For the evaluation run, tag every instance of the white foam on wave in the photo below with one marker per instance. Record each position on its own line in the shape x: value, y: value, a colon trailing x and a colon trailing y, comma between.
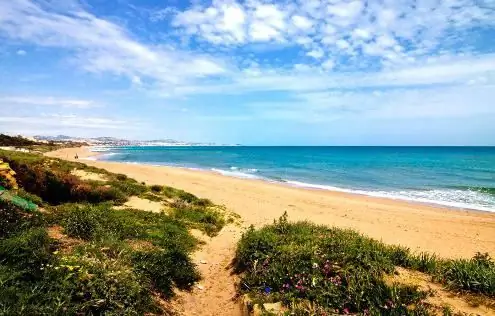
x: 248, y: 170
x: 100, y: 149
x: 464, y: 199
x: 236, y: 174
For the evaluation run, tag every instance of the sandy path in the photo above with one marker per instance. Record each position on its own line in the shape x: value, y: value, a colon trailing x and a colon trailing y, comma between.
x: 215, y: 293
x: 447, y: 232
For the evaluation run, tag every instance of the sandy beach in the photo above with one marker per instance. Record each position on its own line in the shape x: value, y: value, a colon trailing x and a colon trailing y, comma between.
x: 446, y: 232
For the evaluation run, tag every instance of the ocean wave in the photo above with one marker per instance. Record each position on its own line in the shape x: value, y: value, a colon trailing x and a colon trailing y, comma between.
x: 106, y: 156
x: 245, y: 170
x: 100, y: 149
x: 236, y: 174
x: 487, y: 190
x: 465, y: 199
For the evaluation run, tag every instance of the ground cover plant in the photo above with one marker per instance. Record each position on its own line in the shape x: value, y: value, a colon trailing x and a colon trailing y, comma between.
x: 317, y: 270
x: 80, y: 254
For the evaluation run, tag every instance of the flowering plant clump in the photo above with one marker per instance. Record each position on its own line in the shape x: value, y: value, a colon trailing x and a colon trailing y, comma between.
x: 322, y: 271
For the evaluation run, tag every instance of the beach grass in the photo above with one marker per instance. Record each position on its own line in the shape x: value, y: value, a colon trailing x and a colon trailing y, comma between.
x: 80, y: 254
x: 317, y: 270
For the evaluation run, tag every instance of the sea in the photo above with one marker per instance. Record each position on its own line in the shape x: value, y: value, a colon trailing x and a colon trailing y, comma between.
x: 461, y: 177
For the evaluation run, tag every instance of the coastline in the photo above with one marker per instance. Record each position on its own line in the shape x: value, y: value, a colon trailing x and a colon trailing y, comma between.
x: 446, y: 231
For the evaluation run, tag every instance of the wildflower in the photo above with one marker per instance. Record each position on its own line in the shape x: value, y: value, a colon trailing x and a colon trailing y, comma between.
x: 315, y: 265
x: 267, y: 290
x: 346, y: 311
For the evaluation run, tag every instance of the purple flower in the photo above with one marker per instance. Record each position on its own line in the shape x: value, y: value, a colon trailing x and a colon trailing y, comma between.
x: 268, y: 289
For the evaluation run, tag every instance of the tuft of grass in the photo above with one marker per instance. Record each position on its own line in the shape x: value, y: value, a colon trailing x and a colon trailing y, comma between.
x: 476, y: 275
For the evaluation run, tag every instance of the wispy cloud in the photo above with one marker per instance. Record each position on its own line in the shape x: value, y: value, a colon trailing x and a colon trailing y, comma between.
x: 64, y: 121
x: 47, y: 101
x: 100, y: 45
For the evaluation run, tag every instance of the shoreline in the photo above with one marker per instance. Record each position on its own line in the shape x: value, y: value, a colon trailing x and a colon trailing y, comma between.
x: 92, y: 155
x: 446, y: 231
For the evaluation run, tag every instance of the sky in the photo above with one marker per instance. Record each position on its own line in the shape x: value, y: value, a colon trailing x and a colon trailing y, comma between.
x: 291, y: 72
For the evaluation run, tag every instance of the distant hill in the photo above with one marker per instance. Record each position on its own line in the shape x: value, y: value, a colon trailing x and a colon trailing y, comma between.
x: 113, y: 141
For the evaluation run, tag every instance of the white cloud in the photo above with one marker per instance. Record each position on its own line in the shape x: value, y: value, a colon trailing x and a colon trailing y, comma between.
x: 46, y: 101
x: 316, y: 53
x: 100, y: 45
x: 359, y: 32
x: 21, y: 52
x: 302, y: 22
x: 18, y: 124
x: 328, y: 64
x: 260, y: 31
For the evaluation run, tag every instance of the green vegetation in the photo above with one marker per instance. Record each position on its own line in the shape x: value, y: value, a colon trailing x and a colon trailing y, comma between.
x: 319, y: 270
x: 81, y: 255
x: 21, y: 142
x: 16, y: 141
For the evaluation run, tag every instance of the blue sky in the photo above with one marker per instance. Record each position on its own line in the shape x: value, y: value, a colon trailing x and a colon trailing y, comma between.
x: 315, y: 72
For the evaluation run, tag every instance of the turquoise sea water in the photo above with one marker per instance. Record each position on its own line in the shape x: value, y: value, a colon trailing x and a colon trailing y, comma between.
x: 452, y: 176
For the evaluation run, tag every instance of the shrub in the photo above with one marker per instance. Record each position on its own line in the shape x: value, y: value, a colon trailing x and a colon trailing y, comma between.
x: 129, y: 187
x: 121, y: 177
x: 166, y: 268
x: 27, y: 251
x: 186, y: 196
x: 52, y: 182
x: 82, y: 222
x: 336, y: 270
x: 13, y: 219
x: 169, y: 191
x: 156, y: 188
x: 209, y: 221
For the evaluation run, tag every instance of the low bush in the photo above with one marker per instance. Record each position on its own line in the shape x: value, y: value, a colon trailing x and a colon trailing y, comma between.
x: 83, y: 222
x: 209, y: 221
x: 26, y: 251
x: 156, y: 188
x: 169, y: 191
x: 121, y: 177
x: 128, y: 187
x: 340, y: 271
x: 165, y: 268
x: 13, y: 219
